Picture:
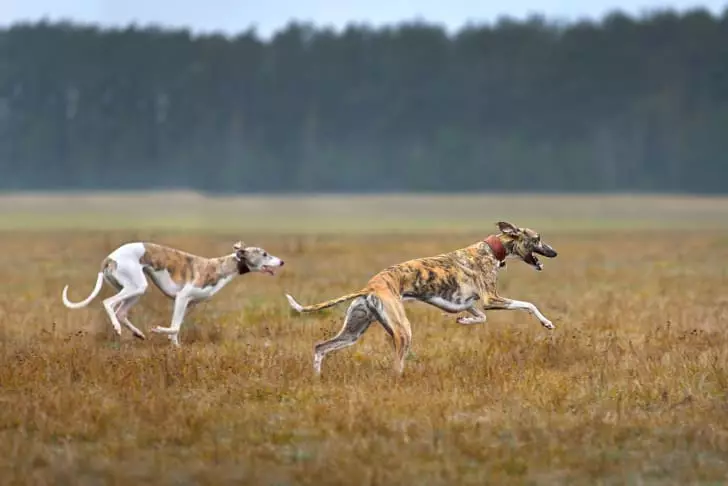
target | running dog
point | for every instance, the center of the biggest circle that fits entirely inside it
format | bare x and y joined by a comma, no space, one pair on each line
453,282
181,276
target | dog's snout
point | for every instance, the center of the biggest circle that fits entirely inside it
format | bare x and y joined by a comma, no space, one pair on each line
282,262
546,250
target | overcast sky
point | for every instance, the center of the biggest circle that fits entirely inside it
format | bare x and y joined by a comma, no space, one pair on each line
231,16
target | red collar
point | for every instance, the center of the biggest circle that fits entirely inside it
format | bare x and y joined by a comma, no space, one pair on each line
496,245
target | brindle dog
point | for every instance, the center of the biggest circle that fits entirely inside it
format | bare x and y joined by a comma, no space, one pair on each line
454,282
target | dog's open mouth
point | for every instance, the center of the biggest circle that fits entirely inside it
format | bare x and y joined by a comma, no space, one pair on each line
269,270
533,261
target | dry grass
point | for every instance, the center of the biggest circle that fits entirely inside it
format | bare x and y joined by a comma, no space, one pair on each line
629,389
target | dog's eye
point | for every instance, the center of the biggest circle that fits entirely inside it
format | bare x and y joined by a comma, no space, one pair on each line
265,254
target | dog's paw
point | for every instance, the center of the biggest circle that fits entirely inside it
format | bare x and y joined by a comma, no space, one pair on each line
548,325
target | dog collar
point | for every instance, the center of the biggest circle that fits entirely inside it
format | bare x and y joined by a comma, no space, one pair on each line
496,246
243,267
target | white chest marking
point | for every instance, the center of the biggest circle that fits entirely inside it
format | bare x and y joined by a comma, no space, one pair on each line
207,292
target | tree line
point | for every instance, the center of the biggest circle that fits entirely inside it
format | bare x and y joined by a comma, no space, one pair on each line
619,104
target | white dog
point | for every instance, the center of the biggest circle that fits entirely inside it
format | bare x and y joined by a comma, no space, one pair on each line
181,276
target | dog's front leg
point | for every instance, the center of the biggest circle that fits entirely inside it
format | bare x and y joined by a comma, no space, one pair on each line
479,317
500,303
180,306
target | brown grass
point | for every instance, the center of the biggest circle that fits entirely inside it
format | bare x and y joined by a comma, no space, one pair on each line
630,388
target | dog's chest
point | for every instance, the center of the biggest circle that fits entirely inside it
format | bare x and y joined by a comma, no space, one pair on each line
163,279
210,290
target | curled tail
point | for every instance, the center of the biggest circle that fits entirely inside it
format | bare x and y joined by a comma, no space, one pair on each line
323,305
84,303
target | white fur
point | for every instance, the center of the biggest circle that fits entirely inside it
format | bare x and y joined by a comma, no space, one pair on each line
209,292
531,309
296,306
87,301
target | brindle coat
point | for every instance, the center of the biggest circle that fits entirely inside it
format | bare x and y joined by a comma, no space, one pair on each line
463,280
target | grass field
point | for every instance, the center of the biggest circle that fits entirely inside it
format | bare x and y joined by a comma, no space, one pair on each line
631,387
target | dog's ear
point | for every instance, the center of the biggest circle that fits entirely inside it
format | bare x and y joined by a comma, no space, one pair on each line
239,248
507,228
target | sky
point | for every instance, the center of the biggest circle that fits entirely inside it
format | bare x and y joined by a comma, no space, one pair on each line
268,16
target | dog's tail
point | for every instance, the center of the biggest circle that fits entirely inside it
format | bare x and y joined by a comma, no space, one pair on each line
84,303
323,305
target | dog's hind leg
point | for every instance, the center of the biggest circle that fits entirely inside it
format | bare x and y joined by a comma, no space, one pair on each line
391,315
358,319
122,308
122,312
468,305
130,278
478,317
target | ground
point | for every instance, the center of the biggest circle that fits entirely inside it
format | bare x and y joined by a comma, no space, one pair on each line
630,388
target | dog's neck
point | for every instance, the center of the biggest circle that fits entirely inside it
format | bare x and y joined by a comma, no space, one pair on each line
230,265
242,267
497,247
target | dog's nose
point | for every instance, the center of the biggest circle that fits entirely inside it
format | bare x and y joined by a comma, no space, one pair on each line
282,262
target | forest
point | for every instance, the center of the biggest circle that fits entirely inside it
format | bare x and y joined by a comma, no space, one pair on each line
621,104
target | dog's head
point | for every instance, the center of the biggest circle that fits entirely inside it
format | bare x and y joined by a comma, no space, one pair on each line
524,244
254,259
